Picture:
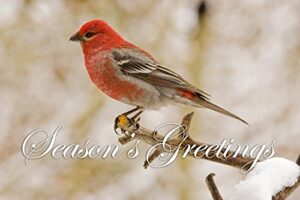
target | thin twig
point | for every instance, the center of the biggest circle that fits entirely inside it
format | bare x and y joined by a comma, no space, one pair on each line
213,187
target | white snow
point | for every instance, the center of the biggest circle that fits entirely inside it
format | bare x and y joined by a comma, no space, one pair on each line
267,179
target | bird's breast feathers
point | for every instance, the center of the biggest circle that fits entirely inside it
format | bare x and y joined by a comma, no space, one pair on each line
105,72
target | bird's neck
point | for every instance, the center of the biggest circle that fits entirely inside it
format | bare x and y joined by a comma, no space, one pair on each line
102,43
95,51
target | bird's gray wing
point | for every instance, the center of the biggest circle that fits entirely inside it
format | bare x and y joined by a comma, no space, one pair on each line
136,64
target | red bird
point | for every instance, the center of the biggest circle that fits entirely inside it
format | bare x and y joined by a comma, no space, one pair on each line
131,75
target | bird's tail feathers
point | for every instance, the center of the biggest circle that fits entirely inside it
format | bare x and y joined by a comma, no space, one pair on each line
207,104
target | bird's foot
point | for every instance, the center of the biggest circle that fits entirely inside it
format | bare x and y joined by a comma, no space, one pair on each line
126,124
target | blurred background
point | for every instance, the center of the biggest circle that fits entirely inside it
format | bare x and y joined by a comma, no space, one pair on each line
245,54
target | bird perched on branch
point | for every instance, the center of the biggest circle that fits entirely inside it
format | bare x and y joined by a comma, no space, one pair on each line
131,75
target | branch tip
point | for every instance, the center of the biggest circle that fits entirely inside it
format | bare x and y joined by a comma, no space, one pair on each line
151,158
213,187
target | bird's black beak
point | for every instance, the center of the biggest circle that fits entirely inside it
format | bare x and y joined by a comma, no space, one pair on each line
76,38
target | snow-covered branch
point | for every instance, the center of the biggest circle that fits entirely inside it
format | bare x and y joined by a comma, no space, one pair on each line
275,179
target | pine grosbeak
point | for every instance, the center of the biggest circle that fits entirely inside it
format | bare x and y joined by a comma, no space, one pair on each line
131,75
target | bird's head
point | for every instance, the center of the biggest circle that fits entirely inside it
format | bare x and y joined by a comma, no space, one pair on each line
96,34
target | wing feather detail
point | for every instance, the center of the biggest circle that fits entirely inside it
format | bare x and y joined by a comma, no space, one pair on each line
136,64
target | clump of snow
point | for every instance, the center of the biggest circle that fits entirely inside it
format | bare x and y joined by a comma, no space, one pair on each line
267,179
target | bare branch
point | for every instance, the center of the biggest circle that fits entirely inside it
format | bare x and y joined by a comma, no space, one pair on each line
152,157
147,136
125,139
213,187
186,121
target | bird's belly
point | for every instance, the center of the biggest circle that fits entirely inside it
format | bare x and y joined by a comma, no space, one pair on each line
125,89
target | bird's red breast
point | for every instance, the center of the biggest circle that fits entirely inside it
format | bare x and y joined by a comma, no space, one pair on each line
108,79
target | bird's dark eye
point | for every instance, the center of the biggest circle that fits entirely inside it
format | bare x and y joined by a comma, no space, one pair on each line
89,34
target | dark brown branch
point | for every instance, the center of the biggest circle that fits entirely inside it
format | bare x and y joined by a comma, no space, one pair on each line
213,187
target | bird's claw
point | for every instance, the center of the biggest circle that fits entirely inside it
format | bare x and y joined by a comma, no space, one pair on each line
116,125
122,122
